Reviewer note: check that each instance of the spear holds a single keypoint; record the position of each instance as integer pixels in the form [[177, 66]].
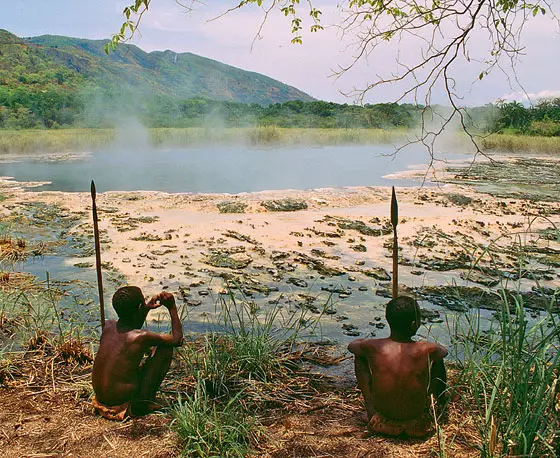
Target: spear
[[394, 223], [97, 255]]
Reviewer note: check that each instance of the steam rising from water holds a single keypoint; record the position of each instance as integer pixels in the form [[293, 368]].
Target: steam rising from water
[[131, 136]]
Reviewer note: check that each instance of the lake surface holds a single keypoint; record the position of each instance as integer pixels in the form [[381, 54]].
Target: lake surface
[[222, 169]]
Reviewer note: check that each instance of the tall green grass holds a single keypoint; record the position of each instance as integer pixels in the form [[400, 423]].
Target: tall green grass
[[34, 314], [85, 140], [248, 344], [246, 356], [206, 428], [521, 144], [54, 141], [273, 135], [509, 365], [509, 378]]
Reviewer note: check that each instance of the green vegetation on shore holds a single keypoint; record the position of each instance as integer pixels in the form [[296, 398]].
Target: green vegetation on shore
[[54, 82], [541, 119], [518, 143], [86, 140], [54, 141]]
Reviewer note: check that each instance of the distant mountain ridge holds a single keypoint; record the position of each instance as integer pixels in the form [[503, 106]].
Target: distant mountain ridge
[[177, 75]]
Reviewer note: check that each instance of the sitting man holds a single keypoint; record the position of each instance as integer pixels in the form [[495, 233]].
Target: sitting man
[[397, 375], [131, 362]]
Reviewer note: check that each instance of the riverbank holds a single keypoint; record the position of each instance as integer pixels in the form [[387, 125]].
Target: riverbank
[[333, 250], [63, 141]]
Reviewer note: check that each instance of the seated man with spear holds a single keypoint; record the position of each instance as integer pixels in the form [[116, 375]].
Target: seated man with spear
[[397, 375], [131, 362]]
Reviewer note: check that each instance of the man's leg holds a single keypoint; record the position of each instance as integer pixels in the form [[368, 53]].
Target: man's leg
[[438, 383], [153, 372], [363, 376]]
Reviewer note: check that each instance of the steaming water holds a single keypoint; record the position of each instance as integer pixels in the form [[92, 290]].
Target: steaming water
[[222, 169]]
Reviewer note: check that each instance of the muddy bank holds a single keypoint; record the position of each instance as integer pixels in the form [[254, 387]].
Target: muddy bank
[[312, 254]]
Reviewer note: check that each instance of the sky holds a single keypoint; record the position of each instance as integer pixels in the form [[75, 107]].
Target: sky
[[311, 67]]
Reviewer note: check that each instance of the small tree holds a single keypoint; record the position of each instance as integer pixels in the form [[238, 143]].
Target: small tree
[[513, 115]]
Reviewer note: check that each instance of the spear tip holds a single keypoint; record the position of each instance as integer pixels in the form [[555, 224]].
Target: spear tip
[[394, 209], [93, 190]]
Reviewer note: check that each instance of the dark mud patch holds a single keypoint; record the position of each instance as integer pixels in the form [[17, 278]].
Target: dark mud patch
[[463, 298], [359, 226], [228, 258], [522, 178], [284, 205], [231, 206]]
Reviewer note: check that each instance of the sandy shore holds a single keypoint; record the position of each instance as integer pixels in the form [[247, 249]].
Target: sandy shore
[[336, 252]]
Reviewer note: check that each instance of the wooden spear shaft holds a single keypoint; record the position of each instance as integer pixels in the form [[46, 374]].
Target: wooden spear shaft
[[394, 223], [97, 255]]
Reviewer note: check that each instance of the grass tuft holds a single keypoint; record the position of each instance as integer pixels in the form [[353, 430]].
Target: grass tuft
[[208, 428]]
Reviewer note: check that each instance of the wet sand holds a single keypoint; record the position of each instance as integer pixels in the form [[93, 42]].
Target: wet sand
[[332, 259]]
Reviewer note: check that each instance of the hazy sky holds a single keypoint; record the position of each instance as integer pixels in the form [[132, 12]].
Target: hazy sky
[[308, 67]]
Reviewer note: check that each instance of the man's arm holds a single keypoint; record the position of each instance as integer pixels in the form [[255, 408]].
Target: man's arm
[[363, 374], [438, 375], [176, 337]]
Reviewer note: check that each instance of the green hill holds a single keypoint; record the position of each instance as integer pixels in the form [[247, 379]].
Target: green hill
[[54, 81], [72, 62]]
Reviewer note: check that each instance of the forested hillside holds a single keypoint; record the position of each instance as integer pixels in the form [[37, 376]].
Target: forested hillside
[[52, 80]]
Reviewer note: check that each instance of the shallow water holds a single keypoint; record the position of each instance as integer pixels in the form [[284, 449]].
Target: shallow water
[[222, 169]]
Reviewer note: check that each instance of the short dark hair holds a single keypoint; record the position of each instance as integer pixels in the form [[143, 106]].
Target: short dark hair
[[401, 311], [126, 301]]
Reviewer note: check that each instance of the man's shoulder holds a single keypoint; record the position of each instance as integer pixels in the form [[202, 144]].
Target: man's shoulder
[[111, 330], [367, 345], [110, 327], [431, 348], [137, 334]]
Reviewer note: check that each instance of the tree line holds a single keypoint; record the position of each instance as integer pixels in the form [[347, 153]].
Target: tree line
[[543, 118], [55, 105], [52, 106]]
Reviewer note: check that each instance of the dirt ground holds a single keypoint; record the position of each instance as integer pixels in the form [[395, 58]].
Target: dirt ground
[[59, 421]]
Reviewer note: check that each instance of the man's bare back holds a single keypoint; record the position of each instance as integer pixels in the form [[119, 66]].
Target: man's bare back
[[131, 362], [397, 375]]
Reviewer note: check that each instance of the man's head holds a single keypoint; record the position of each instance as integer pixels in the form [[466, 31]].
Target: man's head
[[403, 315], [126, 302]]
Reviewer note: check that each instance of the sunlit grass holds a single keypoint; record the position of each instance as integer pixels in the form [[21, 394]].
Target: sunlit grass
[[521, 143], [54, 141], [509, 368], [271, 135], [206, 428], [85, 140]]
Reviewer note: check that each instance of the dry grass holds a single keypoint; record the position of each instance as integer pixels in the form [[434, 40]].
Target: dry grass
[[46, 411], [333, 424], [14, 250], [17, 281], [52, 424]]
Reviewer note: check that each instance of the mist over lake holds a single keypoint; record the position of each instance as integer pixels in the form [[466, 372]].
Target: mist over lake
[[222, 169]]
